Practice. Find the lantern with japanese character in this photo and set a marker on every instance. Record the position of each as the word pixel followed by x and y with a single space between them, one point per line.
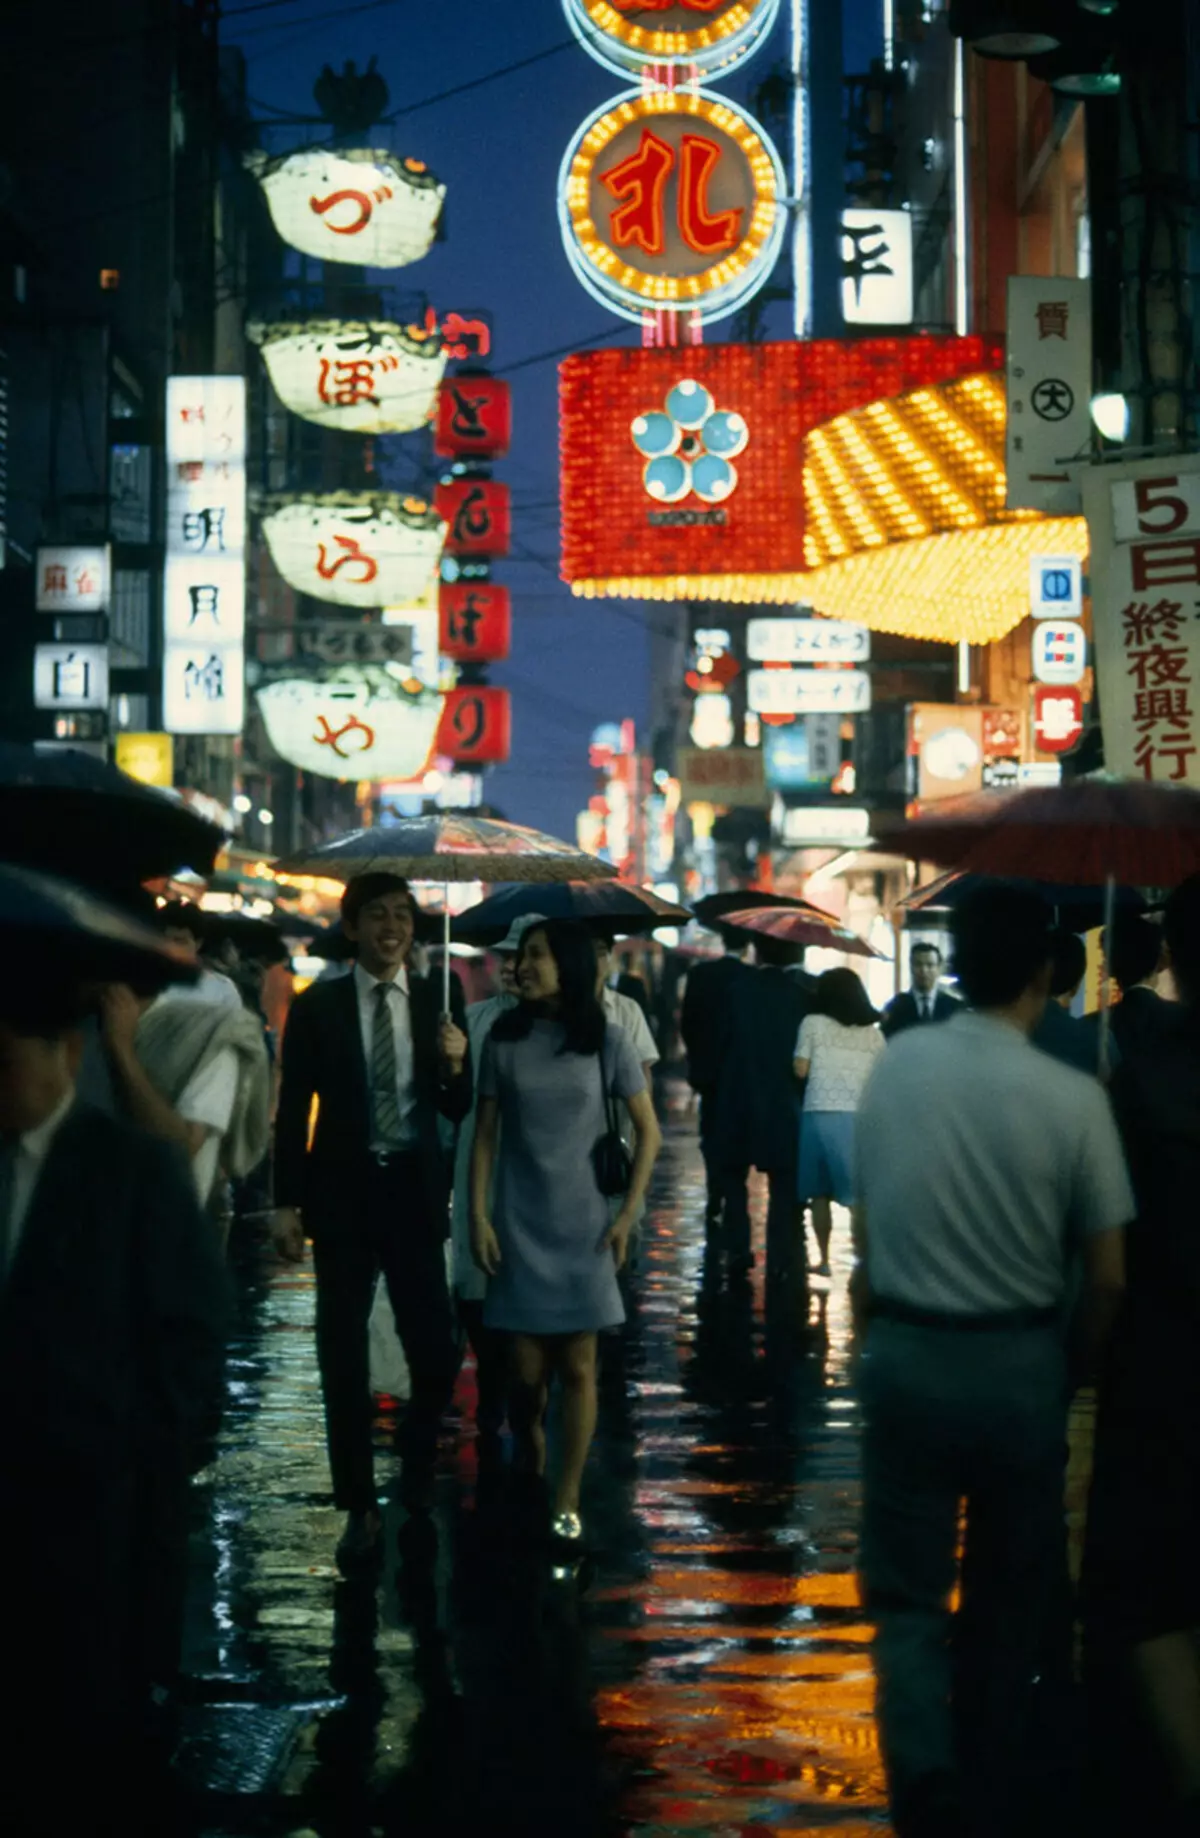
pixel 361 377
pixel 364 723
pixel 476 621
pixel 477 514
pixel 356 549
pixel 476 726
pixel 474 418
pixel 359 205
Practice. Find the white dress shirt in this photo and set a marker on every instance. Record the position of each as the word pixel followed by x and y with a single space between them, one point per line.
pixel 32 1149
pixel 365 986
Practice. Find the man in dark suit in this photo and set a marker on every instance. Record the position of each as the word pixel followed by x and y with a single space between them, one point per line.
pixel 704 1023
pixel 113 1312
pixel 372 1188
pixel 1136 954
pixel 924 1001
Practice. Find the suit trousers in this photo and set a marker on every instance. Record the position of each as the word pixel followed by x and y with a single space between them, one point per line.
pixel 385 1227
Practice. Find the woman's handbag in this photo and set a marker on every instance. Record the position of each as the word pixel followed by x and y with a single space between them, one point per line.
pixel 611 1160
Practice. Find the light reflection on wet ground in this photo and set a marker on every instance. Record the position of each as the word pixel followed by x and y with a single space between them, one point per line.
pixel 707 1673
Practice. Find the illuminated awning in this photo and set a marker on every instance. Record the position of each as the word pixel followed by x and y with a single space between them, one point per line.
pixel 906 529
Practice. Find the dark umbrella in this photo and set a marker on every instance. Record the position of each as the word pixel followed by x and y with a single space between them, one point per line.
pixel 801 925
pixel 256 938
pixel 47 922
pixel 608 904
pixel 713 907
pixel 1080 907
pixel 63 809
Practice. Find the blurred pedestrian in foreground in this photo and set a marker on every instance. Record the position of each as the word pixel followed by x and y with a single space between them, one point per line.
pixel 372 1188
pixel 470 1282
pixel 552 1071
pixel 838 1045
pixel 1072 1039
pixel 1136 953
pixel 1144 1532
pixel 925 1001
pixel 705 1023
pixel 114 1306
pixel 980 1161
pixel 183 925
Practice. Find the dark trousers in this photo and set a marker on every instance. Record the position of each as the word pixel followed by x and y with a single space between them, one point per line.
pixel 952 1415
pixel 385 1226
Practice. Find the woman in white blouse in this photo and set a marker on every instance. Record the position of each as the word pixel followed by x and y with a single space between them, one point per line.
pixel 838 1045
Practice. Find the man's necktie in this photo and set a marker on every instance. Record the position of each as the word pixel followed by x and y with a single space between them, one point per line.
pixel 385 1105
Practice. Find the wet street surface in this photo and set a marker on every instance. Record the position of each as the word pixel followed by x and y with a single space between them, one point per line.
pixel 707 1671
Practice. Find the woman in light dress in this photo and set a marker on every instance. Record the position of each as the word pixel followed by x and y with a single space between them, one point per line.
pixel 838 1045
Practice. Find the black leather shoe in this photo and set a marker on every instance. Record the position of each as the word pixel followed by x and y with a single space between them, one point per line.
pixel 361 1544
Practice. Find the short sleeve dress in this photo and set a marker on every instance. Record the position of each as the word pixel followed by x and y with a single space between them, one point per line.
pixel 550 1217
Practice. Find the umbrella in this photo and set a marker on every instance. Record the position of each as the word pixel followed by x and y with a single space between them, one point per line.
pixel 1081 907
pixel 45 920
pixel 449 846
pixel 800 925
pixel 65 809
pixel 599 903
pixel 712 908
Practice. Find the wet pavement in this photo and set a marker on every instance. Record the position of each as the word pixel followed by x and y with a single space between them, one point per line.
pixel 706 1672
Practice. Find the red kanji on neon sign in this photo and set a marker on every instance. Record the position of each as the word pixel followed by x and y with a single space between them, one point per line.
pixel 476 726
pixel 353 554
pixel 364 203
pixel 639 182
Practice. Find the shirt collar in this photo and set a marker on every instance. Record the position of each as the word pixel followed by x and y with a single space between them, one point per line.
pixel 368 984
pixel 35 1143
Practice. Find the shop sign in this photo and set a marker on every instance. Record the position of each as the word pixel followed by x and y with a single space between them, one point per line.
pixel 476 727
pixel 360 377
pixel 475 621
pixel 1057 717
pixel 70 677
pixel 808 692
pixel 807 641
pixel 147 757
pixel 1059 651
pixel 356 549
pixel 478 516
pixel 877 267
pixel 474 417
pixel 73 580
pixel 204 574
pixel 704 35
pixel 1049 374
pixel 1056 587
pixel 729 776
pixel 356 725
pixel 361 205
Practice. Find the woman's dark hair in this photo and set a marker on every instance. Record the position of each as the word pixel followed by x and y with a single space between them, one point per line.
pixel 1069 955
pixel 1001 942
pixel 1133 948
pixel 1181 927
pixel 573 950
pixel 841 996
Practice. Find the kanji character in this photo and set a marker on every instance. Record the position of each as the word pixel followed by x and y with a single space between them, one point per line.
pixel 1160 664
pixel 352 553
pixel 1165 564
pixel 1172 705
pixel 1145 624
pixel 1052 316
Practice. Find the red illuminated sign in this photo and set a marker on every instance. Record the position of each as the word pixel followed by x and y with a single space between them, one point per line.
pixel 477 514
pixel 618 532
pixel 474 417
pixel 1057 717
pixel 476 621
pixel 476 727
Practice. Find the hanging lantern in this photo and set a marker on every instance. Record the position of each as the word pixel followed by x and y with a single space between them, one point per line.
pixel 474 418
pixel 478 516
pixel 363 723
pixel 476 727
pixel 476 621
pixel 363 205
pixel 361 377
pixel 355 549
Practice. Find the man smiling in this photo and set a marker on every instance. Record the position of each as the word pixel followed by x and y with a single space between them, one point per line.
pixel 371 1189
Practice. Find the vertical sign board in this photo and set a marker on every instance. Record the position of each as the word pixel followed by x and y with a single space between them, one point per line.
pixel 1144 525
pixel 204 580
pixel 1049 391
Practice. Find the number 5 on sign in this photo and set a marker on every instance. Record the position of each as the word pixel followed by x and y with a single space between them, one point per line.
pixel 1165 504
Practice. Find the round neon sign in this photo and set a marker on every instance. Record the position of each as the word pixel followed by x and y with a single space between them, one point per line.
pixel 672 198
pixel 708 35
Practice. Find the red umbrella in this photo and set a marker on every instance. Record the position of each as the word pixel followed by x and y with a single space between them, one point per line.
pixel 1088 832
pixel 800 925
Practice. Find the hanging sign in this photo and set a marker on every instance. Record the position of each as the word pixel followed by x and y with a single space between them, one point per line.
pixel 148 757
pixel 74 580
pixel 361 205
pixel 204 574
pixel 476 727
pixel 1057 718
pixel 359 725
pixel 626 35
pixel 1056 587
pixel 355 549
pixel 806 641
pixel 70 676
pixel 672 198
pixel 1059 651
pixel 1144 529
pixel 476 621
pixel 474 417
pixel 362 377
pixel 732 776
pixel 808 692
pixel 1049 391
pixel 877 267
pixel 477 514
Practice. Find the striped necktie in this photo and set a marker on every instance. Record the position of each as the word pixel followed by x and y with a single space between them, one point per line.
pixel 385 1102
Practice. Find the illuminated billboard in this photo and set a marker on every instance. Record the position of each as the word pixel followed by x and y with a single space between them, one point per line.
pixel 363 377
pixel 626 35
pixel 355 548
pixel 204 589
pixel 360 204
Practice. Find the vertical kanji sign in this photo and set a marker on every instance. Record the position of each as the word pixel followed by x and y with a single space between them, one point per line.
pixel 476 727
pixel 475 620
pixel 1144 524
pixel 1049 376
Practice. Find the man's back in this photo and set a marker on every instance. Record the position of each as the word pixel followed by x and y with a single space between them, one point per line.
pixel 978 1156
pixel 705 1020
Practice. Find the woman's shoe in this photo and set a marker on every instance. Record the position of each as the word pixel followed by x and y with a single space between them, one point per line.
pixel 567 1528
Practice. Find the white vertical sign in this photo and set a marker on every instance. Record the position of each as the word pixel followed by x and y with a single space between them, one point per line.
pixel 1049 391
pixel 1144 525
pixel 204 581
pixel 877 267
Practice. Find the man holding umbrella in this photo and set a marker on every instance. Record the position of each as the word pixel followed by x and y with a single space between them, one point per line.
pixel 371 1189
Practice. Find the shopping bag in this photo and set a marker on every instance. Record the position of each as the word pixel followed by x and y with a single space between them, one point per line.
pixel 389 1368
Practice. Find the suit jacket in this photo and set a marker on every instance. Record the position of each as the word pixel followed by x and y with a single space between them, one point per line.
pixel 706 1017
pixel 1140 1018
pixel 323 1058
pixel 901 1012
pixel 757 1121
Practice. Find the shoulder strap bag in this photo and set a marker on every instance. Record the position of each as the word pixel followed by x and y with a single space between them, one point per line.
pixel 611 1161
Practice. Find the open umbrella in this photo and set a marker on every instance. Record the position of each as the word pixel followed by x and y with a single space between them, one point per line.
pixel 47 923
pixel 800 925
pixel 1080 907
pixel 599 903
pixel 61 809
pixel 712 908
pixel 449 846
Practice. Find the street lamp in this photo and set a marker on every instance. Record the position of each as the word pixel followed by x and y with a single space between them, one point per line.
pixel 1110 412
pixel 1010 28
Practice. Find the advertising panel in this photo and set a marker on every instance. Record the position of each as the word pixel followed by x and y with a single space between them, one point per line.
pixel 359 204
pixel 204 585
pixel 356 549
pixel 1049 391
pixel 363 377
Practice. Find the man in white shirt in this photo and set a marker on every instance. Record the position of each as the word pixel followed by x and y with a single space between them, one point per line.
pixel 982 1165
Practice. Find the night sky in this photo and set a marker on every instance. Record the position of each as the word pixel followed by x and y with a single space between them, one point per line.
pixel 498 147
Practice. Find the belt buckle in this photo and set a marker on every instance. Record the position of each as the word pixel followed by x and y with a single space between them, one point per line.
pixel 381 1157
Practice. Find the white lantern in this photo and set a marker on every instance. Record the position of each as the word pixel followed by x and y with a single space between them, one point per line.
pixel 363 205
pixel 362 377
pixel 359 725
pixel 356 549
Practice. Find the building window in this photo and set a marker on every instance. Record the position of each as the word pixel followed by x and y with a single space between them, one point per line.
pixel 129 619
